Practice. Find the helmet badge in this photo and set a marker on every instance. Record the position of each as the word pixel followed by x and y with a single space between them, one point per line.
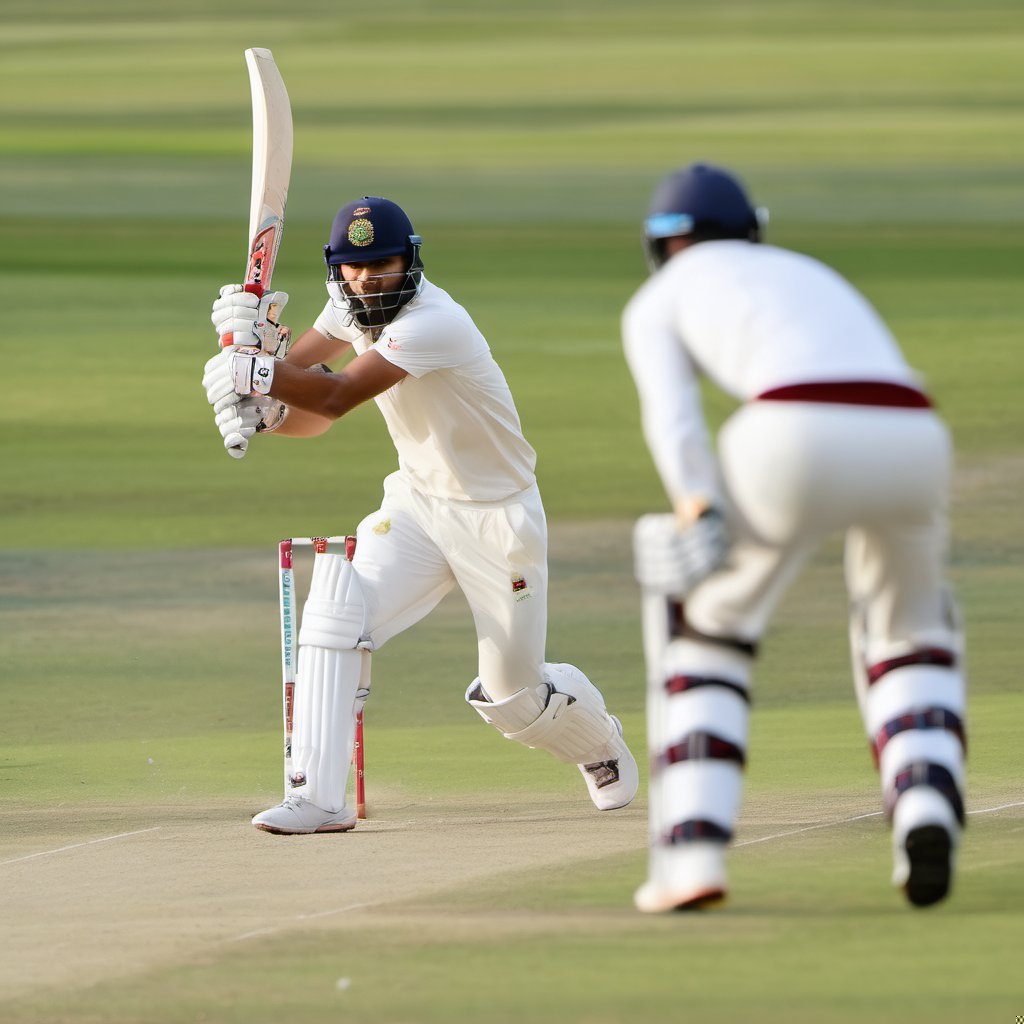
pixel 360 232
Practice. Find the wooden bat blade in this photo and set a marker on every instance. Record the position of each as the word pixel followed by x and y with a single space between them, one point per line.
pixel 271 166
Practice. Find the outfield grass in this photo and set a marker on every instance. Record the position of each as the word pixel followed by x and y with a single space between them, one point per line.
pixel 886 138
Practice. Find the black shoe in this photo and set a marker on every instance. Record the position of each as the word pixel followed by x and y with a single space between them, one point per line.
pixel 930 852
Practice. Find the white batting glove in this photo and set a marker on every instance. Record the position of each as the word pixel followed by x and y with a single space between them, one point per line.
pixel 232 375
pixel 672 561
pixel 240 318
pixel 219 381
pixel 237 423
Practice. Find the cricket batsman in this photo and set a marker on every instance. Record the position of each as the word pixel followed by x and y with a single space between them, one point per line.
pixel 462 509
pixel 833 434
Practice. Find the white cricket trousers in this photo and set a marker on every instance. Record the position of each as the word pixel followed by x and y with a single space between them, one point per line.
pixel 415 548
pixel 796 472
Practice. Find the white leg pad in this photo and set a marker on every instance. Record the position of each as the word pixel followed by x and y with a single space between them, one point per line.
pixel 906 689
pixel 324 726
pixel 568 719
pixel 573 727
pixel 696 708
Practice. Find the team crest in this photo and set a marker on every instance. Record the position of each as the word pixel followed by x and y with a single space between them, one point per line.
pixel 360 232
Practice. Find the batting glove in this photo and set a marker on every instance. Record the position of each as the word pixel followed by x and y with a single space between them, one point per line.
pixel 672 561
pixel 231 376
pixel 237 423
pixel 240 318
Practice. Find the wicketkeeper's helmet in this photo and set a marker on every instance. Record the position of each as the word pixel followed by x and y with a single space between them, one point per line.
pixel 363 231
pixel 702 202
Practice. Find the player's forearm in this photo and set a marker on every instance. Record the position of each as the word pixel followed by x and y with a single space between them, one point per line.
pixel 316 390
pixel 313 395
pixel 300 423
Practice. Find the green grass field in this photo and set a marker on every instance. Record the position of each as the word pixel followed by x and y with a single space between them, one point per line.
pixel 141 723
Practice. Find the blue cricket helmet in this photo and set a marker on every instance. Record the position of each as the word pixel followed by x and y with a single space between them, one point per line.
pixel 701 201
pixel 363 231
pixel 368 229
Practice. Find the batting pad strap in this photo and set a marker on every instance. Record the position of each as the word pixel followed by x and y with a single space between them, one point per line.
pixel 681 683
pixel 703 746
pixel 680 628
pixel 924 773
pixel 924 656
pixel 696 830
pixel 922 718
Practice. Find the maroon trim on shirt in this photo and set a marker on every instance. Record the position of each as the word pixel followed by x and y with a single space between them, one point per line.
pixel 850 392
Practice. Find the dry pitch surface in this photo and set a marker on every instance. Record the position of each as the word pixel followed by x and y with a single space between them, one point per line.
pixel 122 891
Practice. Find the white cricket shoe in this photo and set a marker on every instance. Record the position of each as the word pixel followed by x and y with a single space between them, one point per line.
pixel 925 837
pixel 687 877
pixel 614 781
pixel 296 817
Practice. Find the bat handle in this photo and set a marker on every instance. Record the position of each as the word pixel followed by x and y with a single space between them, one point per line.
pixel 254 288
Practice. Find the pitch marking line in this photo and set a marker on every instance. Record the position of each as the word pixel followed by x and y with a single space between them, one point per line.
pixel 76 846
pixel 304 917
pixel 858 817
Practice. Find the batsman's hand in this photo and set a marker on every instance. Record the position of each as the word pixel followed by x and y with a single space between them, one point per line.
pixel 240 318
pixel 237 423
pixel 234 374
pixel 671 560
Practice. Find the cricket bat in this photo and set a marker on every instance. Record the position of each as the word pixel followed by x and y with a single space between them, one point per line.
pixel 271 167
pixel 271 172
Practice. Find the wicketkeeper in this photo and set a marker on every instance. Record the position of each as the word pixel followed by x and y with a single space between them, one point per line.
pixel 833 434
pixel 463 508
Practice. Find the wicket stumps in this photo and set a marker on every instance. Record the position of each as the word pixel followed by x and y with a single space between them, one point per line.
pixel 288 659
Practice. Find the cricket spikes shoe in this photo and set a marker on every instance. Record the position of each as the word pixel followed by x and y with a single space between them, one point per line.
pixel 925 834
pixel 691 877
pixel 298 817
pixel 613 781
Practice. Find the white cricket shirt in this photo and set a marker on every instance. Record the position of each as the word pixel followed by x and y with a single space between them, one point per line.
pixel 453 420
pixel 751 317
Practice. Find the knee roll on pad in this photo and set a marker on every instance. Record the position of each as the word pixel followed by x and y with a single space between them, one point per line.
pixel 334 616
pixel 573 724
